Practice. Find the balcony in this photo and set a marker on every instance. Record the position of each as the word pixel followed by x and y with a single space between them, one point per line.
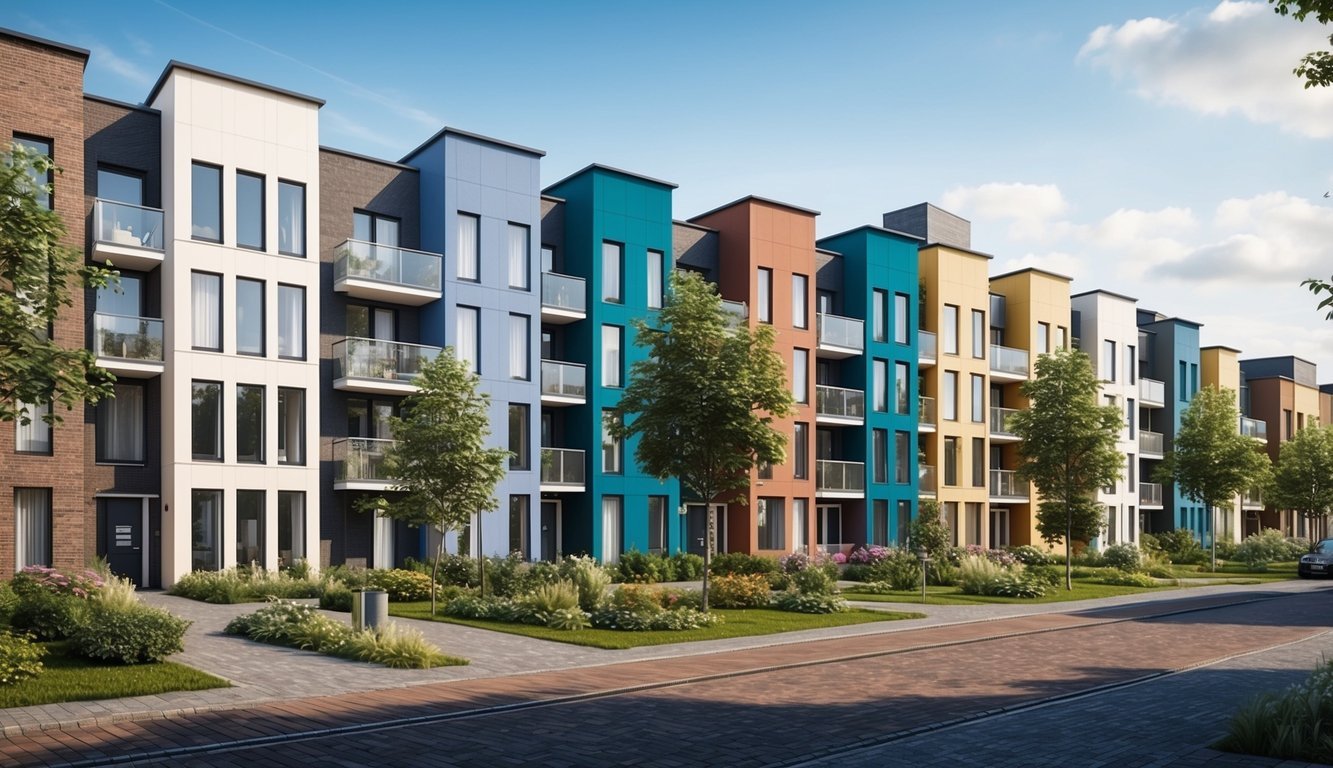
pixel 130 347
pixel 925 414
pixel 840 479
pixel 1008 364
pixel 925 348
pixel 1005 486
pixel 564 383
pixel 562 470
pixel 1254 428
pixel 1151 444
pixel 1150 495
pixel 1252 499
pixel 564 298
pixel 378 367
pixel 1152 393
pixel 738 312
pixel 358 465
pixel 926 484
pixel 839 406
pixel 999 425
pixel 386 273
pixel 127 236
pixel 839 337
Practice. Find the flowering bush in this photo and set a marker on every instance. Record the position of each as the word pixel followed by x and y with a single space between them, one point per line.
pixel 998 556
pixel 128 633
pixel 805 603
pixel 1030 555
pixel 403 586
pixel 740 591
pixel 839 558
pixel 301 626
pixel 1122 556
pixel 868 555
pixel 20 658
pixel 81 584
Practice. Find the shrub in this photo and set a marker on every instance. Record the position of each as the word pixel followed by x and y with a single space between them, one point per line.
pixel 868 555
pixel 549 598
pixel 223 587
pixel 48 615
pixel 117 592
pixel 1001 557
pixel 301 626
pixel 133 634
pixel 590 578
pixel 636 598
pixel 741 564
pixel 813 581
pixel 901 569
pixel 568 619
pixel 458 570
pixel 1049 575
pixel 1122 556
pixel 1128 579
pixel 635 567
pixel 320 634
pixel 928 529
pixel 1260 549
pixel 402 585
pixel 687 566
pixel 542 572
pixel 809 603
pixel 1226 549
pixel 507 576
pixel 1016 584
pixel 274 623
pixel 1297 546
pixel 354 578
pixel 272 585
pixel 976 573
pixel 1296 724
pixel 395 647
pixel 40 578
pixel 1030 555
pixel 9 602
pixel 1180 546
pixel 942 573
pixel 859 572
pixel 337 596
pixel 739 591
pixel 1088 558
pixel 1160 571
pixel 20 658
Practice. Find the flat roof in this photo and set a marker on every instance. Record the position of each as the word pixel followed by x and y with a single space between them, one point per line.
pixel 1106 292
pixel 612 169
pixel 83 53
pixel 874 228
pixel 174 64
pixel 552 198
pixel 828 251
pixel 446 130
pixel 958 248
pixel 691 225
pixel 367 158
pixel 1277 357
pixel 1034 270
pixel 1170 319
pixel 124 104
pixel 758 199
pixel 1220 346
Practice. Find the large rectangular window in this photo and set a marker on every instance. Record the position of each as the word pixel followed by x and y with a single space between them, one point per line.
pixel 765 290
pixel 613 361
pixel 120 426
pixel 291 218
pixel 951 461
pixel 206 530
pixel 250 424
pixel 250 528
pixel 467 336
pixel 249 316
pixel 206 311
pixel 519 347
pixel 520 521
pixel 613 448
pixel 800 301
pixel 879 328
pixel 772 524
pixel 469 247
pixel 800 448
pixel 880 440
pixel 206 420
pixel 291 322
pixel 950 329
pixel 902 388
pixel 978 398
pixel 1108 359
pixel 520 446
pixel 949 396
pixel 32 527
pixel 800 375
pixel 206 202
pixel 291 527
pixel 35 435
pixel 613 259
pixel 520 257
pixel 902 457
pixel 800 523
pixel 612 524
pixel 249 212
pixel 978 462
pixel 41 182
pixel 1131 364
pixel 291 426
pixel 374 228
pixel 879 522
pixel 657 525
pixel 656 272
pixel 1043 338
pixel 880 377
pixel 978 334
pixel 901 325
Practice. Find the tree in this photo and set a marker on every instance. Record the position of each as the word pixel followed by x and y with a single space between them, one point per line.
pixel 1322 288
pixel 1211 460
pixel 36 277
pixel 439 459
pixel 1303 480
pixel 1068 448
pixel 704 400
pixel 1316 68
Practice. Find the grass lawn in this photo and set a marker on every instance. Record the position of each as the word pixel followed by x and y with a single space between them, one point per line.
pixel 952 596
pixel 74 678
pixel 1233 570
pixel 737 622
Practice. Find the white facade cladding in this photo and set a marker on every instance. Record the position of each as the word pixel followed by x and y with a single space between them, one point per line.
pixel 240 303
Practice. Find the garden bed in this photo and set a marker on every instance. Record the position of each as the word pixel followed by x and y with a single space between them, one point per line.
pixel 1083 590
pixel 68 677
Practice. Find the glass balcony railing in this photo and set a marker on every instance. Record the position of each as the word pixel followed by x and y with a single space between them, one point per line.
pixel 1252 498
pixel 839 331
pixel 360 459
pixel 925 411
pixel 737 312
pixel 564 292
pixel 562 466
pixel 564 379
pixel 387 264
pixel 1151 442
pixel 356 358
pixel 1150 494
pixel 127 338
pixel 999 421
pixel 840 475
pixel 1008 360
pixel 1005 482
pixel 926 478
pixel 1151 391
pixel 926 343
pixel 840 402
pixel 125 224
pixel 1253 428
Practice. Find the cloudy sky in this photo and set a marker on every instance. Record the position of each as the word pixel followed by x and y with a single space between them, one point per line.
pixel 1159 149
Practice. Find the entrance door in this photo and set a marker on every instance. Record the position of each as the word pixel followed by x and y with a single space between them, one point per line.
pixel 550 530
pixel 124 538
pixel 829 529
pixel 696 533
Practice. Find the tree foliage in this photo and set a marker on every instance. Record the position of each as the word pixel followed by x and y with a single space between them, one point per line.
pixel 1316 68
pixel 1303 480
pixel 703 403
pixel 1068 448
pixel 1211 461
pixel 1322 288
pixel 37 277
pixel 439 460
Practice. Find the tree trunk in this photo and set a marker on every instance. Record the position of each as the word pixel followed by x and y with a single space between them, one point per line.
pixel 481 558
pixel 708 550
pixel 1069 548
pixel 435 572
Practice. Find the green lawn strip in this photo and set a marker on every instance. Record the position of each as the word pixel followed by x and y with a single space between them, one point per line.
pixel 952 596
pixel 1275 572
pixel 737 622
pixel 67 677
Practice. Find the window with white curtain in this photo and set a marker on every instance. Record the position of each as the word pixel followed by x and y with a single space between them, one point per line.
pixel 519 344
pixel 35 436
pixel 613 255
pixel 120 426
pixel 520 257
pixel 800 375
pixel 291 425
pixel 291 527
pixel 765 288
pixel 32 527
pixel 382 556
pixel 291 321
pixel 206 306
pixel 611 513
pixel 656 269
pixel 613 448
pixel 880 379
pixel 612 361
pixel 799 299
pixel 657 524
pixel 469 251
pixel 291 218
pixel 799 521
pixel 467 336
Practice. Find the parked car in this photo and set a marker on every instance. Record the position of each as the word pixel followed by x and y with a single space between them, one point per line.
pixel 1319 562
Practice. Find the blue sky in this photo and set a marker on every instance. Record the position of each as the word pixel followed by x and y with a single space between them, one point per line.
pixel 1162 150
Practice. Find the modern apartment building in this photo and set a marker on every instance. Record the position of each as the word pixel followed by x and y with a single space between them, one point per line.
pixel 1168 351
pixel 1221 369
pixel 1282 393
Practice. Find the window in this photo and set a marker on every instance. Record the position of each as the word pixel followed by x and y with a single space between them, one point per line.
pixel 291 321
pixel 657 525
pixel 35 436
pixel 656 269
pixel 206 420
pixel 951 461
pixel 978 334
pixel 1184 394
pixel 1286 422
pixel 249 214
pixel 205 530
pixel 764 470
pixel 612 511
pixel 41 181
pixel 1060 334
pixel 291 218
pixel 800 522
pixel 800 375
pixel 880 441
pixel 879 328
pixel 613 256
pixel 1043 338
pixel 950 329
pixel 249 316
pixel 901 329
pixel 1108 359
pixel 32 527
pixel 800 446
pixel 520 448
pixel 612 360
pixel 469 247
pixel 799 301
pixel 949 398
pixel 880 376
pixel 250 528
pixel 772 524
pixel 613 448
pixel 1131 364
pixel 904 511
pixel 978 398
pixel 291 527
pixel 1194 378
pixel 548 258
pixel 291 426
pixel 519 347
pixel 765 288
pixel 1130 412
pixel 249 424
pixel 467 336
pixel 902 388
pixel 373 228
pixel 520 257
pixel 520 519
pixel 978 462
pixel 206 202
pixel 122 296
pixel 120 426
pixel 120 186
pixel 206 311
pixel 879 515
pixel 902 457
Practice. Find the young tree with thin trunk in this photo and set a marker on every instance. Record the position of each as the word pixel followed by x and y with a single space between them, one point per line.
pixel 1068 448
pixel 1303 480
pixel 702 404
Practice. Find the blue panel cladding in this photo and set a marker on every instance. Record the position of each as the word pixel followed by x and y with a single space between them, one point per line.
pixel 877 259
pixel 1176 363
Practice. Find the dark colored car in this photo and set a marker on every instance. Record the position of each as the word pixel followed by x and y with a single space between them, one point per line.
pixel 1319 562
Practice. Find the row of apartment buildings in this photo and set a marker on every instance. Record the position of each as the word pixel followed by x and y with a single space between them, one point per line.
pixel 277 298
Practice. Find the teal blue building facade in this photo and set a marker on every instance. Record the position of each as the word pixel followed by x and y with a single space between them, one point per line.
pixel 1169 352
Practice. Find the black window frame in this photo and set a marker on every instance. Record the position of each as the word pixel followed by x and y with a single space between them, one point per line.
pixel 222 298
pixel 305 322
pixel 263 210
pixel 50 172
pixel 305 218
pixel 263 421
pixel 263 317
pixel 222 204
pixel 220 423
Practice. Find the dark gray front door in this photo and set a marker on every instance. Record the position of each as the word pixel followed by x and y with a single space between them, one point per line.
pixel 550 530
pixel 696 529
pixel 124 538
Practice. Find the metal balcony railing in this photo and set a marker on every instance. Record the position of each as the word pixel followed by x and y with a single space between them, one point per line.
pixel 562 466
pixel 1005 482
pixel 1151 442
pixel 840 402
pixel 390 264
pixel 1150 494
pixel 379 359
pixel 925 411
pixel 1252 498
pixel 840 475
pixel 564 292
pixel 1008 360
pixel 837 331
pixel 564 379
pixel 124 224
pixel 127 338
pixel 360 459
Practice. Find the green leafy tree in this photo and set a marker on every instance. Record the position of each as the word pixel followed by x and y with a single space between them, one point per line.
pixel 37 277
pixel 1322 288
pixel 1068 448
pixel 704 400
pixel 1303 480
pixel 439 460
pixel 927 530
pixel 1316 68
pixel 1211 461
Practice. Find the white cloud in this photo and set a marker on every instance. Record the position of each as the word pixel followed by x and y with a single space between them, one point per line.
pixel 102 56
pixel 1030 208
pixel 1236 58
pixel 1059 262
